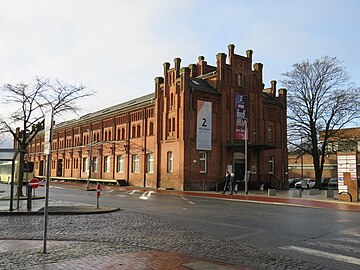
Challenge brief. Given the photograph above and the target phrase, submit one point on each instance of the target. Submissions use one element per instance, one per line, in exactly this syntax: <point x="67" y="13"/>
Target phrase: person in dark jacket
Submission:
<point x="228" y="183"/>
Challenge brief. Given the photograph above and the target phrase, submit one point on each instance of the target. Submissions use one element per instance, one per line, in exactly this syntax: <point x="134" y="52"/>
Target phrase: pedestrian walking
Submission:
<point x="228" y="183"/>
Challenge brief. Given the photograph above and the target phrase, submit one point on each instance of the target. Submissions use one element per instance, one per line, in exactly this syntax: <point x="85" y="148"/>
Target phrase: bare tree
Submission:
<point x="321" y="98"/>
<point x="29" y="102"/>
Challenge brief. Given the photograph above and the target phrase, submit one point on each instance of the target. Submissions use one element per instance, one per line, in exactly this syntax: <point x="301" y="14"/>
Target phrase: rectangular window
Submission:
<point x="203" y="162"/>
<point x="269" y="133"/>
<point x="120" y="164"/>
<point x="106" y="164"/>
<point x="85" y="165"/>
<point x="169" y="161"/>
<point x="271" y="165"/>
<point x="95" y="164"/>
<point x="150" y="163"/>
<point x="135" y="163"/>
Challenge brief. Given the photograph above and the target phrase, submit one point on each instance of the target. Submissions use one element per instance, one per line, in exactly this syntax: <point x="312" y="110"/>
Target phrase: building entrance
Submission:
<point x="239" y="166"/>
<point x="59" y="168"/>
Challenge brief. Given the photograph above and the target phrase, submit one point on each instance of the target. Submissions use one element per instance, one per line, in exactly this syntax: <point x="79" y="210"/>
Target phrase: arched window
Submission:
<point x="123" y="133"/>
<point x="138" y="134"/>
<point x="151" y="128"/>
<point x="133" y="133"/>
<point x="173" y="124"/>
<point x="105" y="136"/>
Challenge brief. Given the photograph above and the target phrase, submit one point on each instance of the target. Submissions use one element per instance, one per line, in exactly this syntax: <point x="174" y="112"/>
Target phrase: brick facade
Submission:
<point x="151" y="141"/>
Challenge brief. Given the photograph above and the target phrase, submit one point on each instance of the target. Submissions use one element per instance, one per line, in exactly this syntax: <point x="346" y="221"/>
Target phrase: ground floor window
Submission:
<point x="203" y="162"/>
<point x="120" y="164"/>
<point x="271" y="165"/>
<point x="135" y="163"/>
<point x="107" y="164"/>
<point x="169" y="161"/>
<point x="95" y="164"/>
<point x="150" y="163"/>
<point x="85" y="165"/>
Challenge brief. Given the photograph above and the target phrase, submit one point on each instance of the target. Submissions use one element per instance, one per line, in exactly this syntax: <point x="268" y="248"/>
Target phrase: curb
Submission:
<point x="64" y="210"/>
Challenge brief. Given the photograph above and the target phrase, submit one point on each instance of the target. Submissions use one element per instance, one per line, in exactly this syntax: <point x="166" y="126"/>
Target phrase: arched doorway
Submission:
<point x="59" y="168"/>
<point x="41" y="168"/>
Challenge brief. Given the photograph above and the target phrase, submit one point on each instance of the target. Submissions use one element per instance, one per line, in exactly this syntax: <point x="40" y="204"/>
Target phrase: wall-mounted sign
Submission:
<point x="204" y="125"/>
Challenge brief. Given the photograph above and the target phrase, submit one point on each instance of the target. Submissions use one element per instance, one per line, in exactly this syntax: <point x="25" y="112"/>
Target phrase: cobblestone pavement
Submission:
<point x="125" y="240"/>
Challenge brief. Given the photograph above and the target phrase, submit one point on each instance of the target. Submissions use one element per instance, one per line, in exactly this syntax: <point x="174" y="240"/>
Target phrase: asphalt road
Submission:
<point x="326" y="237"/>
<point x="295" y="237"/>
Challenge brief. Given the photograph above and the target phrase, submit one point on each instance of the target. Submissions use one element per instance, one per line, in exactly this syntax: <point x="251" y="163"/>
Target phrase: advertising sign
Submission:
<point x="240" y="117"/>
<point x="204" y="125"/>
<point x="346" y="164"/>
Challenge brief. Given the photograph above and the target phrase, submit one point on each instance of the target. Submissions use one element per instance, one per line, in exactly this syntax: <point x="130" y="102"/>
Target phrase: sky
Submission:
<point x="117" y="47"/>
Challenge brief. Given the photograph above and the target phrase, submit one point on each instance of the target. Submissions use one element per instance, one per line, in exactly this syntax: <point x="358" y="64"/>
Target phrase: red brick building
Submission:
<point x="182" y="136"/>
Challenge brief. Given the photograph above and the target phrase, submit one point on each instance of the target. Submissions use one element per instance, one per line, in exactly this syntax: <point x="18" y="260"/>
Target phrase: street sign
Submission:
<point x="98" y="189"/>
<point x="47" y="147"/>
<point x="48" y="119"/>
<point x="47" y="135"/>
<point x="34" y="183"/>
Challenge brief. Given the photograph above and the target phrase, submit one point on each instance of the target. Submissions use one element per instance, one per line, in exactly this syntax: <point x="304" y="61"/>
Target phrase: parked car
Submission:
<point x="333" y="183"/>
<point x="305" y="183"/>
<point x="292" y="182"/>
<point x="325" y="182"/>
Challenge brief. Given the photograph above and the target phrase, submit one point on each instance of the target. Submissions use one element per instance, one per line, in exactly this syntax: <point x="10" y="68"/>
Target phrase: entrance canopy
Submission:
<point x="8" y="154"/>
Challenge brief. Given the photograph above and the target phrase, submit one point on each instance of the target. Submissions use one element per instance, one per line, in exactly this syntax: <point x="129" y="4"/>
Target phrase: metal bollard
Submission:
<point x="28" y="187"/>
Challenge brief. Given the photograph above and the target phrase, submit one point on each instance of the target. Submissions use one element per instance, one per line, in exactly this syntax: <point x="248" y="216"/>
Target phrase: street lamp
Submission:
<point x="302" y="159"/>
<point x="90" y="157"/>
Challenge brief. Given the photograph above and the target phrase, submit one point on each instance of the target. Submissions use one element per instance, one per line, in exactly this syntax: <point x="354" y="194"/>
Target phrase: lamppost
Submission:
<point x="90" y="159"/>
<point x="302" y="159"/>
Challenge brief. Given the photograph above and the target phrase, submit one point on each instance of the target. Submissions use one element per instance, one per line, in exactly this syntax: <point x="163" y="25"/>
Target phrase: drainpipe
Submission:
<point x="144" y="150"/>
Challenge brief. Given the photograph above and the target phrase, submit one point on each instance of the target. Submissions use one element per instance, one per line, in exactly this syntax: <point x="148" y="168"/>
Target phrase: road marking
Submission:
<point x="328" y="255"/>
<point x="186" y="199"/>
<point x="133" y="191"/>
<point x="345" y="248"/>
<point x="146" y="195"/>
<point x="349" y="240"/>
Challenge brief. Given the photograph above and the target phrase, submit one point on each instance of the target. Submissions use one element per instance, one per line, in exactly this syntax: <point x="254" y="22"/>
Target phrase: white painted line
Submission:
<point x="144" y="196"/>
<point x="133" y="191"/>
<point x="150" y="192"/>
<point x="186" y="199"/>
<point x="348" y="240"/>
<point x="328" y="255"/>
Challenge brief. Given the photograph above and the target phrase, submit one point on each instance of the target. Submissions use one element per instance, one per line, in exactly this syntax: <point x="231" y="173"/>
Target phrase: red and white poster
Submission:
<point x="240" y="117"/>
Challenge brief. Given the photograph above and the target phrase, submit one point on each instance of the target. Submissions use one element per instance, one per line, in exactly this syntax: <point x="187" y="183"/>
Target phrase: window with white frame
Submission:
<point x="85" y="165"/>
<point x="120" y="164"/>
<point x="203" y="162"/>
<point x="271" y="165"/>
<point x="135" y="163"/>
<point x="170" y="161"/>
<point x="150" y="163"/>
<point x="107" y="164"/>
<point x="95" y="164"/>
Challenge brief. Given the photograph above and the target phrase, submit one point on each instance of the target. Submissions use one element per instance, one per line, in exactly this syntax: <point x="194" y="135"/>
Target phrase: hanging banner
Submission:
<point x="240" y="117"/>
<point x="203" y="132"/>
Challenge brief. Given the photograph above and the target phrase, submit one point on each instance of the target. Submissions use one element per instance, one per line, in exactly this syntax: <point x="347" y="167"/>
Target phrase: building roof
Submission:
<point x="109" y="111"/>
<point x="267" y="98"/>
<point x="202" y="85"/>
